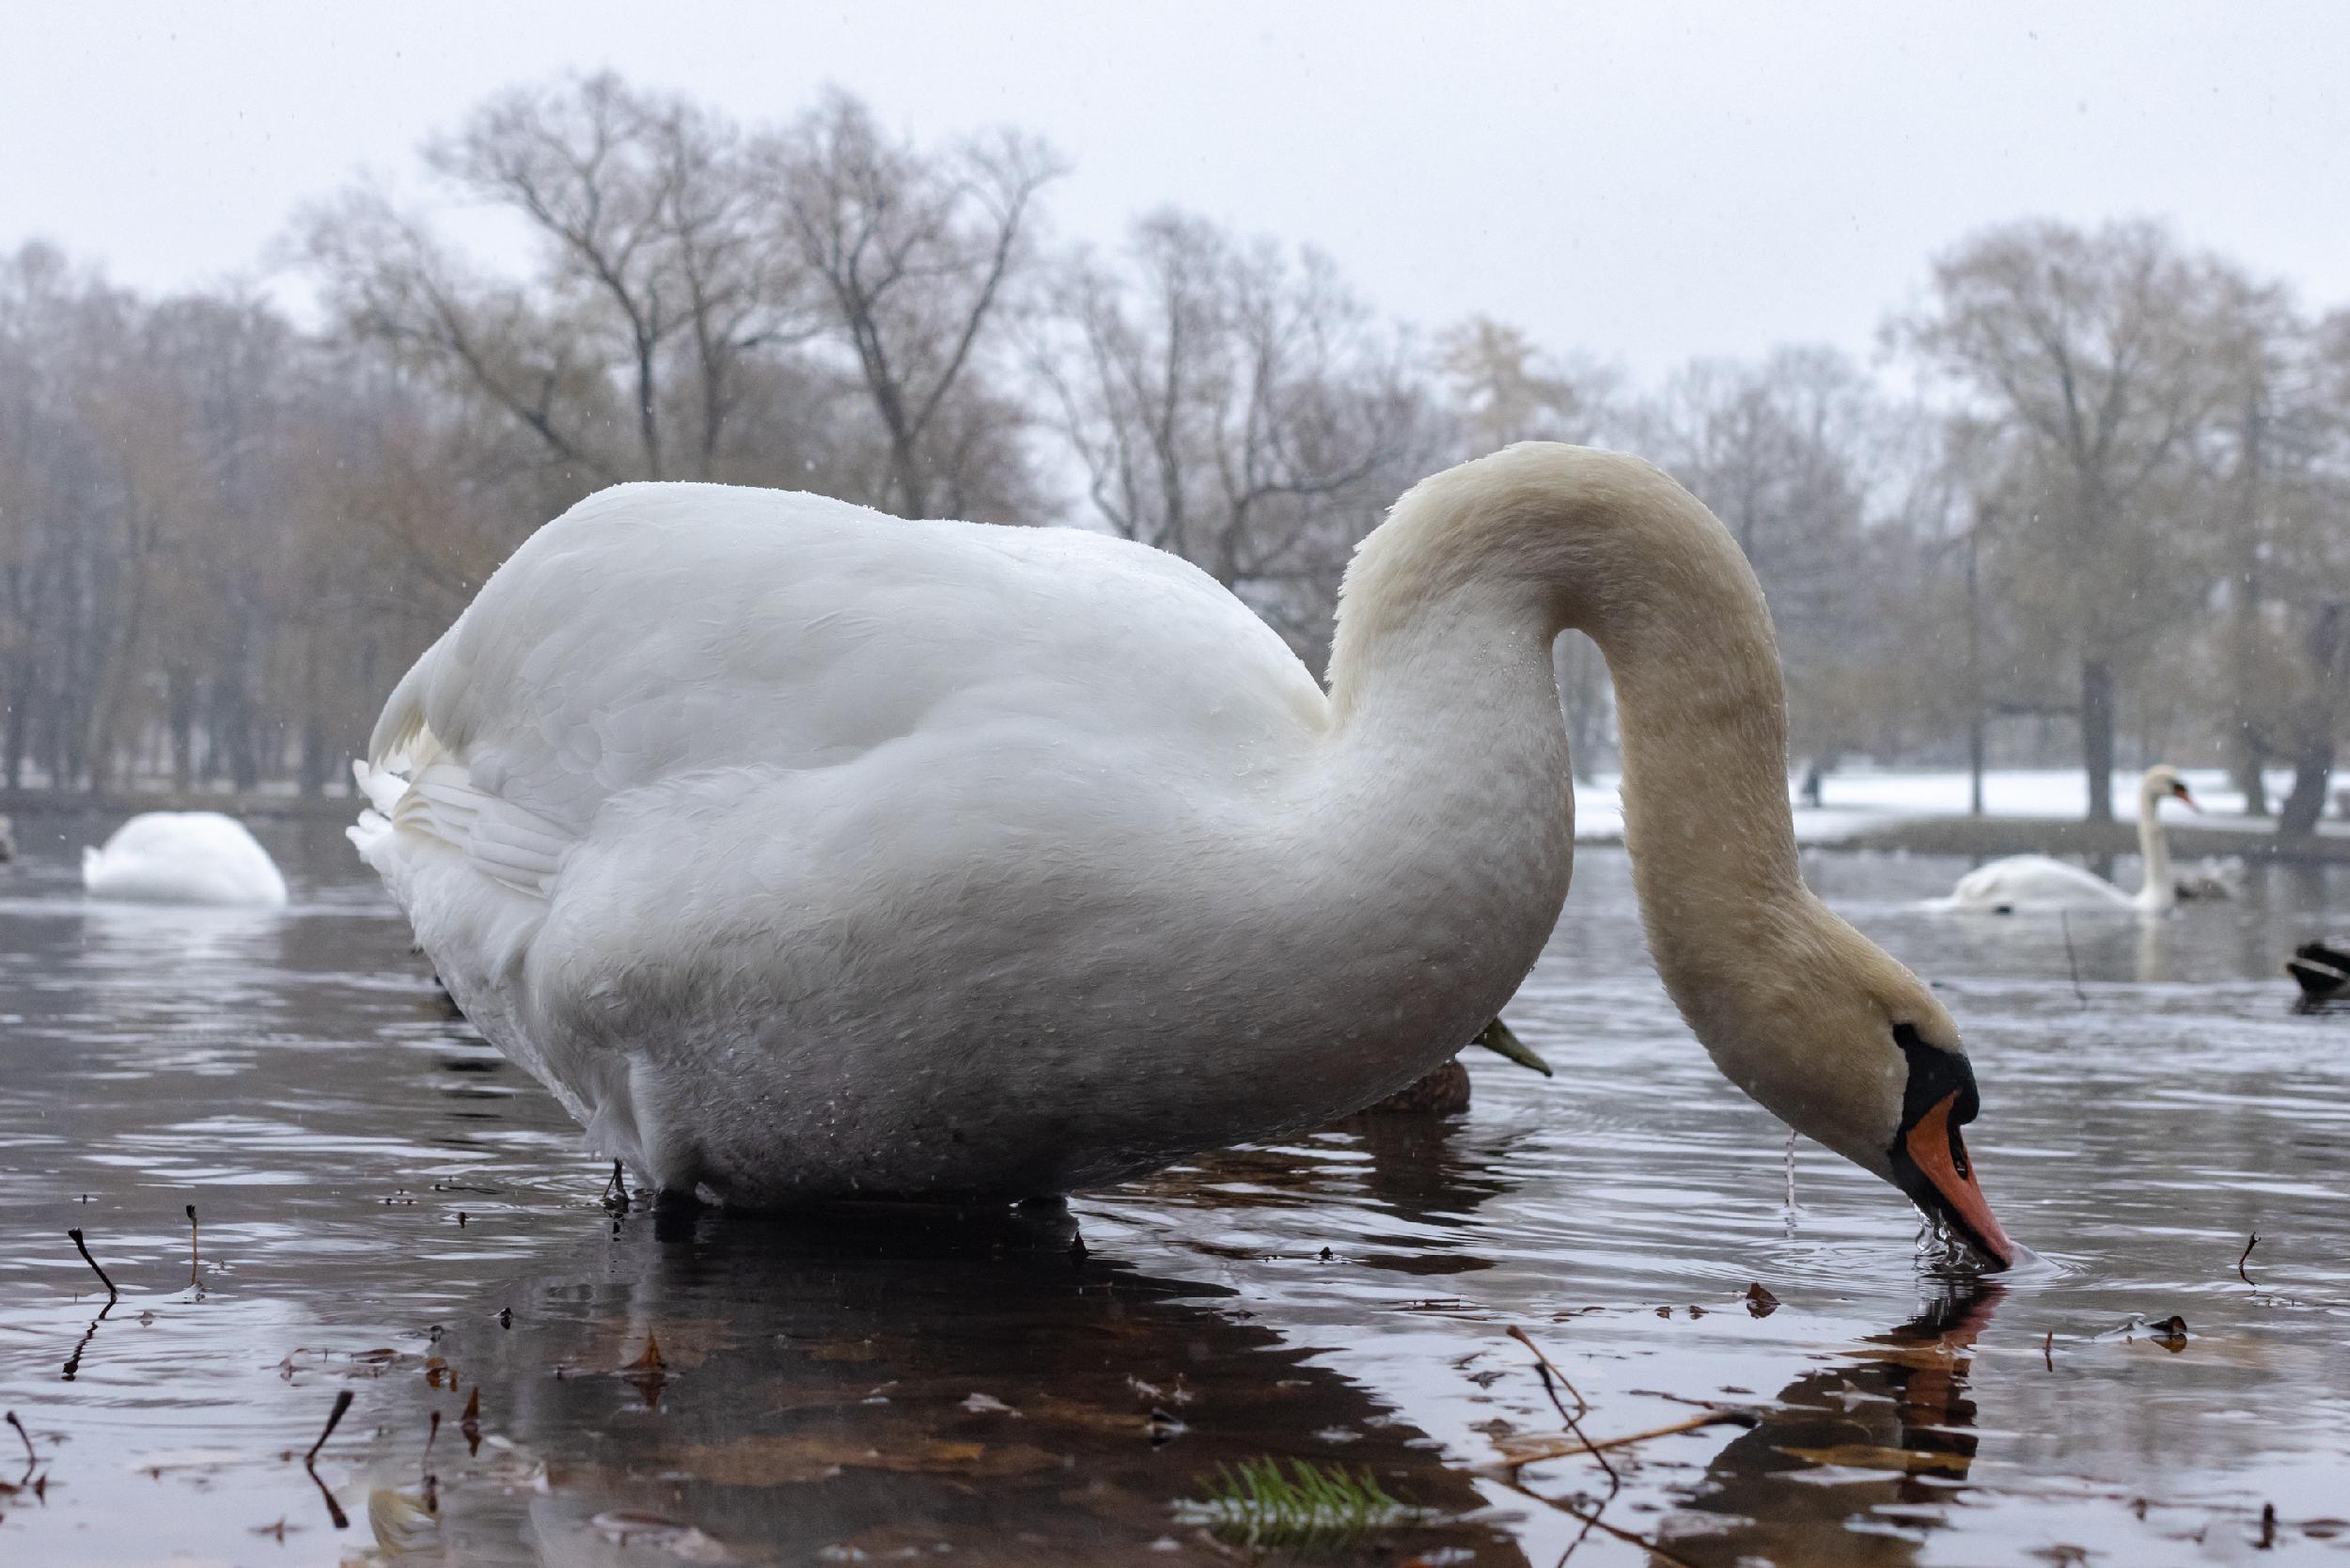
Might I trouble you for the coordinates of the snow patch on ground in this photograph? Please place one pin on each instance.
(1855, 800)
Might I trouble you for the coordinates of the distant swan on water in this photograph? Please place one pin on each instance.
(2034, 883)
(184, 857)
(808, 853)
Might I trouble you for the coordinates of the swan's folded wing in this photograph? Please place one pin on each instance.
(663, 630)
(511, 845)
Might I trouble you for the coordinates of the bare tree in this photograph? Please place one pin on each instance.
(2094, 346)
(654, 290)
(914, 257)
(2306, 555)
(1782, 450)
(1238, 410)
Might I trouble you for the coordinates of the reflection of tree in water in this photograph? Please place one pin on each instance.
(886, 1385)
(1897, 1420)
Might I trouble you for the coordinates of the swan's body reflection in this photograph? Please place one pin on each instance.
(1894, 1427)
(879, 1384)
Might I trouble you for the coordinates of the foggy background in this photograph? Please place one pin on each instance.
(2008, 341)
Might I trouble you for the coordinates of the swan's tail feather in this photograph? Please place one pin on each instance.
(382, 789)
(421, 789)
(382, 786)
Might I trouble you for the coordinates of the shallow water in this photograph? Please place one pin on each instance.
(387, 1208)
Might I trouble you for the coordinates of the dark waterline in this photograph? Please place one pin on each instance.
(892, 1388)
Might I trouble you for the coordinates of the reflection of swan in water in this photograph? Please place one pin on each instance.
(162, 947)
(184, 857)
(1900, 1411)
(2031, 884)
(875, 1385)
(185, 983)
(1403, 1186)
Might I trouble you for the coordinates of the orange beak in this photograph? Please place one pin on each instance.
(2185, 799)
(1935, 1147)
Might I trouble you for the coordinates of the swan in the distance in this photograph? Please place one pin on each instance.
(2034, 883)
(184, 857)
(806, 853)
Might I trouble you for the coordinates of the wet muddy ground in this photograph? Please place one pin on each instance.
(386, 1209)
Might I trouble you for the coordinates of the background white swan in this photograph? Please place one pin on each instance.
(184, 857)
(807, 853)
(2024, 883)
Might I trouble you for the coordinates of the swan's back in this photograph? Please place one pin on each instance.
(2025, 883)
(184, 857)
(657, 629)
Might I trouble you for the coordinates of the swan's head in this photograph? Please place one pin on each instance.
(1851, 1049)
(2163, 782)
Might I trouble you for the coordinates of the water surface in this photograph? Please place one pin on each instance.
(387, 1208)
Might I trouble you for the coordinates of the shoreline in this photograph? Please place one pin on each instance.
(1990, 838)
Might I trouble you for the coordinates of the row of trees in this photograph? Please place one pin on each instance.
(2105, 516)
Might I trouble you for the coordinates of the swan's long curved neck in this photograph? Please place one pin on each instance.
(2159, 893)
(1459, 597)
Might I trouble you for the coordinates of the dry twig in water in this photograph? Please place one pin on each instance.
(309, 1461)
(1515, 1452)
(333, 1420)
(2248, 1253)
(83, 1247)
(1547, 1372)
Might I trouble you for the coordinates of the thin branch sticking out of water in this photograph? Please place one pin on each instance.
(333, 1420)
(83, 1247)
(31, 1458)
(309, 1461)
(2241, 1261)
(192, 1260)
(2072, 959)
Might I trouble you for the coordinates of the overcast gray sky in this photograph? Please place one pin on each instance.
(1646, 181)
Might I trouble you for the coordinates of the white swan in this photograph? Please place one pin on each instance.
(184, 857)
(2028, 884)
(807, 853)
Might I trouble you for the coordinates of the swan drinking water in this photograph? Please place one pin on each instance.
(2028, 884)
(184, 857)
(806, 853)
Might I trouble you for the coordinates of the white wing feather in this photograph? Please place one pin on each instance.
(685, 723)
